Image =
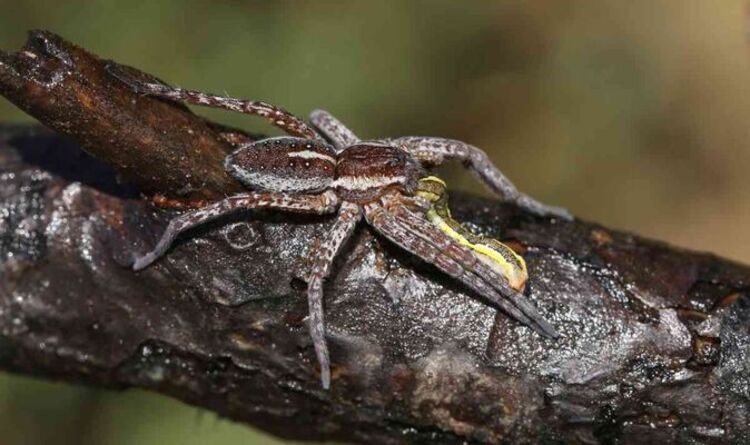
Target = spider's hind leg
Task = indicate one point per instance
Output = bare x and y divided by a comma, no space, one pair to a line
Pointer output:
349,215
321,204
433,151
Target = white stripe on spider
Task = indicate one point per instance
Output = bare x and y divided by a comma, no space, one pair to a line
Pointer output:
359,183
309,154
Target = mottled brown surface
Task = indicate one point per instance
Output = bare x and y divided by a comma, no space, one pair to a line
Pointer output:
655,344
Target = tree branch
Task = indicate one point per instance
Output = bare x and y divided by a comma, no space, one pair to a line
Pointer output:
655,343
70,91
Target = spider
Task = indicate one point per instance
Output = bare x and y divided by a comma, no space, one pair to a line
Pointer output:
323,168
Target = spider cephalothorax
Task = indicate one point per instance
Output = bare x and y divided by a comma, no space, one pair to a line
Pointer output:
326,169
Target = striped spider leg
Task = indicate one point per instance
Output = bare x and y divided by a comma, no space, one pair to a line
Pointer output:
391,216
349,215
277,116
434,151
317,204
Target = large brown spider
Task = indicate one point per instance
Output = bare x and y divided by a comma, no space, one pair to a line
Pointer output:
326,169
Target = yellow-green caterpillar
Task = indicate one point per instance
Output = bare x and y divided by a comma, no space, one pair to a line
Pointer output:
492,252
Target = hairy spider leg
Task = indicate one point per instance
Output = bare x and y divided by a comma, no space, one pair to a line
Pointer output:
348,217
277,116
333,129
388,226
434,151
317,204
422,228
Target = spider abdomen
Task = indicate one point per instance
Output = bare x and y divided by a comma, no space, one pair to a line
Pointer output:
284,165
366,171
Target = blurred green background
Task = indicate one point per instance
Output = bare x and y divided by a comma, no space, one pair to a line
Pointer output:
630,113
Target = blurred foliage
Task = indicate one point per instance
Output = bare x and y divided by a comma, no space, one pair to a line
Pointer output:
38,412
633,114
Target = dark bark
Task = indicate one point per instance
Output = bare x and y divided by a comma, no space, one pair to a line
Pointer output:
655,344
70,91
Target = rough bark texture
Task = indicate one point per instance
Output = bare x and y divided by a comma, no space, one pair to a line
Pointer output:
655,344
70,91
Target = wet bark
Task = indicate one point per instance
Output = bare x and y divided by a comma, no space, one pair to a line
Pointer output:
655,344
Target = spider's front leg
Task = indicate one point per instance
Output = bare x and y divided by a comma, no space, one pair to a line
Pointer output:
321,204
276,116
422,238
349,215
434,151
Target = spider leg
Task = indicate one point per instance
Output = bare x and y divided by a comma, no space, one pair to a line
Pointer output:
276,116
387,226
349,215
431,243
333,129
321,204
468,259
434,151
